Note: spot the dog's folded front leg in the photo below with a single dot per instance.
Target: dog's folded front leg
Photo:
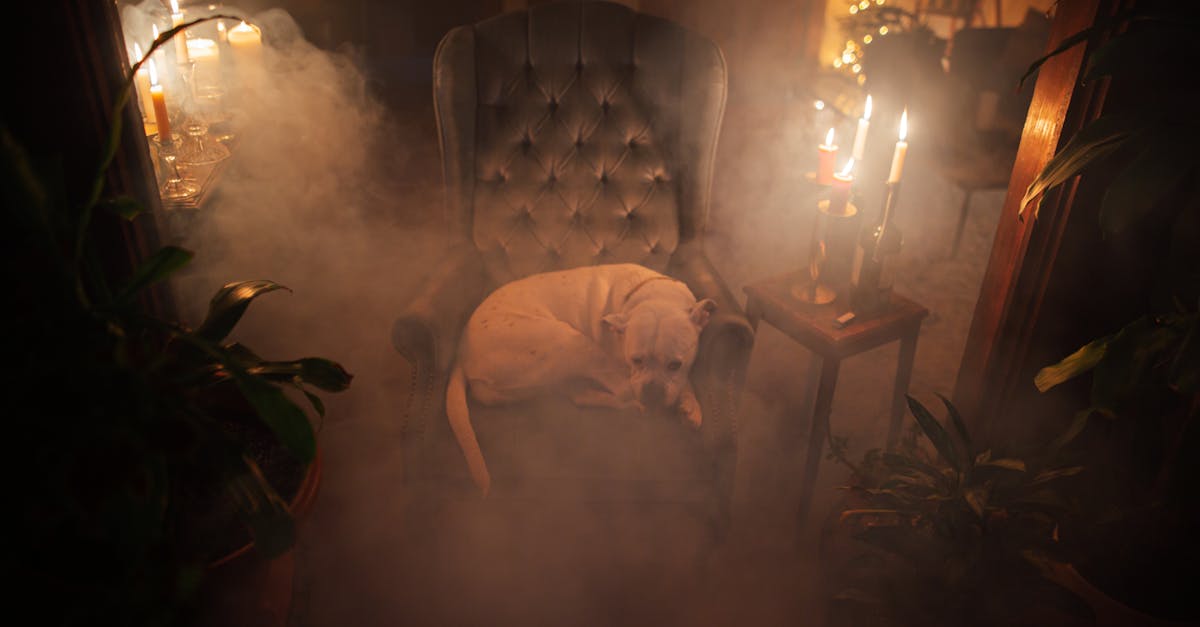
(592, 397)
(689, 407)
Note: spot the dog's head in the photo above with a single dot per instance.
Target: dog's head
(659, 340)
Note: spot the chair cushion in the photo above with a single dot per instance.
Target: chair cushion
(573, 126)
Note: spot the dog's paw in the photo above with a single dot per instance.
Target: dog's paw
(689, 412)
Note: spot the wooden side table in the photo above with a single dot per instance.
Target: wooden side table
(813, 327)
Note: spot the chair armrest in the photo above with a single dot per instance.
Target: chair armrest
(427, 331)
(727, 329)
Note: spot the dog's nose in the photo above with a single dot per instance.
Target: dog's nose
(654, 394)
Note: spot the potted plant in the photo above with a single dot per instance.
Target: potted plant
(142, 446)
(946, 534)
(1144, 394)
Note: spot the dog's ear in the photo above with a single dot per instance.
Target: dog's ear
(701, 311)
(616, 322)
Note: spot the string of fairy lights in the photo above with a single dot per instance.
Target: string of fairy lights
(850, 59)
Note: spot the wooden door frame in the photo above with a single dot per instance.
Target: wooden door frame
(1024, 250)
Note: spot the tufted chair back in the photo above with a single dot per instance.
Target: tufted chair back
(577, 133)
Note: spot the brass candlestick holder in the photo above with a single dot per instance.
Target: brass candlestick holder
(830, 255)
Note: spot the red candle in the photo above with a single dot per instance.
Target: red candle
(839, 196)
(826, 153)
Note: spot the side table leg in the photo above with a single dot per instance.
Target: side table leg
(908, 353)
(817, 436)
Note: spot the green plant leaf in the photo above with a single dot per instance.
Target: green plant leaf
(1096, 140)
(1072, 365)
(1056, 473)
(1128, 51)
(976, 497)
(263, 510)
(229, 304)
(322, 373)
(1067, 44)
(315, 400)
(960, 425)
(1185, 368)
(159, 266)
(1006, 463)
(278, 412)
(1131, 355)
(1078, 424)
(936, 434)
(125, 206)
(1136, 189)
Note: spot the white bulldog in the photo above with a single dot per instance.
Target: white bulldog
(620, 336)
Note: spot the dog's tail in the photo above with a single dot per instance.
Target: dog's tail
(460, 422)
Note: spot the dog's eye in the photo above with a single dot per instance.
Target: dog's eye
(637, 361)
(675, 365)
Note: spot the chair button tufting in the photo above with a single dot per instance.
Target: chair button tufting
(553, 104)
(604, 106)
(579, 142)
(604, 177)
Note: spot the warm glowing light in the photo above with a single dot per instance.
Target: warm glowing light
(868, 39)
(849, 44)
(244, 28)
(904, 125)
(883, 30)
(837, 63)
(867, 108)
(137, 52)
(862, 78)
(862, 6)
(154, 31)
(856, 68)
(819, 105)
(847, 57)
(853, 9)
(848, 169)
(879, 2)
(153, 73)
(221, 25)
(828, 137)
(174, 6)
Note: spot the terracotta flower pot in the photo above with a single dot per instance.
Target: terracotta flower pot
(245, 588)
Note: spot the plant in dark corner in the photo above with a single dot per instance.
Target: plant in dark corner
(139, 448)
(1145, 377)
(945, 534)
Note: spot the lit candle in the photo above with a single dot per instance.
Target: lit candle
(901, 151)
(246, 43)
(142, 82)
(160, 106)
(207, 56)
(181, 49)
(221, 36)
(839, 195)
(826, 153)
(860, 136)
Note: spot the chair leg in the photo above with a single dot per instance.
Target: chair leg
(962, 221)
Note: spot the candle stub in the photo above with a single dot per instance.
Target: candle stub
(826, 154)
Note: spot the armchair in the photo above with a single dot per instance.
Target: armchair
(573, 134)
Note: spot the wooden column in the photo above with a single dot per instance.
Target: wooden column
(1025, 249)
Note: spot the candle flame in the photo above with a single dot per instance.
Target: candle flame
(221, 25)
(154, 31)
(849, 168)
(153, 73)
(174, 6)
(244, 27)
(904, 125)
(137, 52)
(829, 137)
(867, 108)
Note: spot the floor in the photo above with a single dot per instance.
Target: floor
(352, 239)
